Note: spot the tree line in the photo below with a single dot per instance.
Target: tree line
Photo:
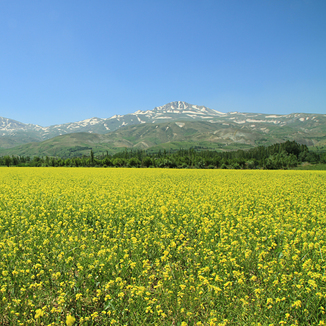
(278, 156)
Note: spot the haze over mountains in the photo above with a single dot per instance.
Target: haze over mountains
(174, 125)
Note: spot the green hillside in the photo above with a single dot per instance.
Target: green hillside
(169, 135)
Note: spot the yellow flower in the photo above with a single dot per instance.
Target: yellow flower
(70, 320)
(297, 304)
(38, 313)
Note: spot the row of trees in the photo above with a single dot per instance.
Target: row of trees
(277, 156)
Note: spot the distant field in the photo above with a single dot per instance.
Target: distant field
(83, 246)
(318, 166)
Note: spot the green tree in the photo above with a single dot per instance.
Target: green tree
(92, 157)
(134, 162)
(7, 160)
(147, 161)
(118, 162)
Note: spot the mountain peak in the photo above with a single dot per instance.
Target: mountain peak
(184, 107)
(176, 105)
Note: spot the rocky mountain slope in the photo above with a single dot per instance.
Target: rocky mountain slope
(174, 124)
(20, 133)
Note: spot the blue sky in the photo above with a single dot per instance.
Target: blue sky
(63, 60)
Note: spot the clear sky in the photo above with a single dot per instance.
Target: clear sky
(64, 60)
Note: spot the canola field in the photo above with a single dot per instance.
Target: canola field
(112, 246)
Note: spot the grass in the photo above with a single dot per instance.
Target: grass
(316, 167)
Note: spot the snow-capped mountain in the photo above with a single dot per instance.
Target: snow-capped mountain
(13, 132)
(9, 125)
(175, 110)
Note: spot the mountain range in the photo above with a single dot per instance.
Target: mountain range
(171, 126)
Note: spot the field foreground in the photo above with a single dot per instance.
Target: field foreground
(162, 247)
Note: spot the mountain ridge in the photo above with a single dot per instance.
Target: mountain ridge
(256, 128)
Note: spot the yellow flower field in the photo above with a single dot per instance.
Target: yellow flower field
(85, 246)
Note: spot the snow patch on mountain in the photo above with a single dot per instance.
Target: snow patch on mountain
(180, 124)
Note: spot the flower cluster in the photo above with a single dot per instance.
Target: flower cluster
(163, 247)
